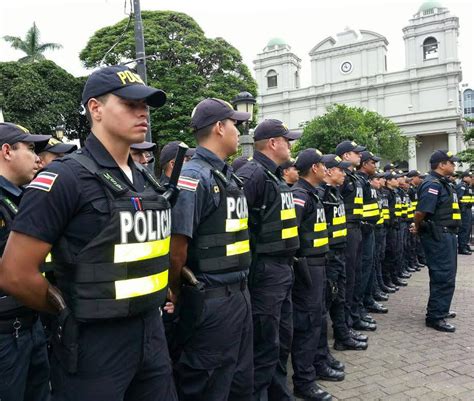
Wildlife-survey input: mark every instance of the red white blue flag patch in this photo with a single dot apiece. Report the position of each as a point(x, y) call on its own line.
point(299, 202)
point(43, 181)
point(433, 191)
point(187, 183)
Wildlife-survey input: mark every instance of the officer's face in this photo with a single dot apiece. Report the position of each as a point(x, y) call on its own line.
point(336, 175)
point(24, 162)
point(320, 170)
point(291, 175)
point(125, 120)
point(353, 157)
point(281, 147)
point(416, 181)
point(447, 167)
point(375, 183)
point(48, 157)
point(140, 156)
point(230, 136)
point(370, 166)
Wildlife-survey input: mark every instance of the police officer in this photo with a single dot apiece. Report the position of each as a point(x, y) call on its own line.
point(210, 236)
point(290, 173)
point(353, 196)
point(239, 162)
point(437, 219)
point(370, 216)
point(24, 366)
point(404, 224)
point(142, 152)
point(108, 225)
point(310, 276)
point(274, 240)
point(54, 150)
point(167, 160)
point(465, 196)
point(413, 240)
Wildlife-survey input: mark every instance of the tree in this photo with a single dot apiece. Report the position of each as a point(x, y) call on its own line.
point(31, 45)
point(379, 134)
point(188, 67)
point(467, 156)
point(40, 95)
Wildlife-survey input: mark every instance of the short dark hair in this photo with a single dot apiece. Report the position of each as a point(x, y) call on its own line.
point(434, 166)
point(305, 172)
point(102, 99)
point(203, 133)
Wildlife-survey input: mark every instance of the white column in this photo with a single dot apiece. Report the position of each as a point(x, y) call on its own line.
point(412, 163)
point(1, 116)
point(452, 142)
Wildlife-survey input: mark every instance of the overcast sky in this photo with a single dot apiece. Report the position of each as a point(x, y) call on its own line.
point(246, 24)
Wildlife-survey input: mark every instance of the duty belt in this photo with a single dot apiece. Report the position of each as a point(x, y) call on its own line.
point(226, 290)
point(17, 324)
point(353, 224)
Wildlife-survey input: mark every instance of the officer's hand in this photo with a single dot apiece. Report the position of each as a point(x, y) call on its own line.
point(169, 307)
point(172, 298)
point(413, 229)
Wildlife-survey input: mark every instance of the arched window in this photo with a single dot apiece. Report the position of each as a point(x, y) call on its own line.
point(272, 79)
point(430, 48)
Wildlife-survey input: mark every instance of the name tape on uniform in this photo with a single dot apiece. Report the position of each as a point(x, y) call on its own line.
point(43, 181)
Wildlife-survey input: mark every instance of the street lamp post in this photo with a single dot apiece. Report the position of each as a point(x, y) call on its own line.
point(245, 102)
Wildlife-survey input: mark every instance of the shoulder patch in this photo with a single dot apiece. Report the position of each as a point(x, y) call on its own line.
point(187, 183)
point(433, 191)
point(43, 181)
point(299, 202)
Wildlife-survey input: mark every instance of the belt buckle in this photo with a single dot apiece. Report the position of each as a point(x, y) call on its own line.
point(16, 327)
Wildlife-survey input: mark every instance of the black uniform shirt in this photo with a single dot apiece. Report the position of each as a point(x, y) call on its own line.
point(431, 192)
point(304, 205)
point(75, 203)
point(198, 198)
point(13, 193)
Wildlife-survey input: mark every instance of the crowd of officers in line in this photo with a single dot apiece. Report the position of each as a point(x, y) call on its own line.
point(150, 292)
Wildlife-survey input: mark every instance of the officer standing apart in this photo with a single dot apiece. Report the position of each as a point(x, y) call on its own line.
point(465, 196)
point(210, 236)
point(24, 366)
point(108, 225)
point(274, 241)
point(310, 275)
point(437, 219)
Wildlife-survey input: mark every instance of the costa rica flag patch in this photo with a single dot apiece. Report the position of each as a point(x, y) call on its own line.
point(43, 181)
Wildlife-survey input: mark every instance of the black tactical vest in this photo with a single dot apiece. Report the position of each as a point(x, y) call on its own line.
point(394, 206)
point(222, 240)
point(277, 230)
point(353, 198)
point(336, 218)
point(123, 271)
point(447, 212)
point(313, 231)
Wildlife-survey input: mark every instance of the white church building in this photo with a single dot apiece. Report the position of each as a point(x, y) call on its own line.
point(423, 99)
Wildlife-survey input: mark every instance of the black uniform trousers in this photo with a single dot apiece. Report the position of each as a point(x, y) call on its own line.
point(420, 252)
point(217, 361)
point(390, 265)
point(411, 248)
point(465, 229)
point(379, 254)
point(353, 258)
point(308, 306)
point(123, 359)
point(24, 365)
point(272, 312)
point(441, 257)
point(363, 274)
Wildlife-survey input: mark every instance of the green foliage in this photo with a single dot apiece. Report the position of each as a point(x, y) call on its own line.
point(188, 67)
point(31, 45)
point(467, 157)
point(379, 134)
point(40, 95)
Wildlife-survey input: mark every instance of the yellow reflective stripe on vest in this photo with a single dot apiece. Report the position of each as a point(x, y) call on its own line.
point(320, 227)
point(237, 248)
point(320, 242)
point(49, 258)
point(456, 216)
point(338, 220)
point(137, 287)
point(339, 233)
point(289, 232)
point(358, 200)
point(358, 211)
point(234, 225)
point(455, 205)
point(370, 210)
point(141, 250)
point(288, 214)
point(415, 204)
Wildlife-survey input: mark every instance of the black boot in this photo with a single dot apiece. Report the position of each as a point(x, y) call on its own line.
point(312, 393)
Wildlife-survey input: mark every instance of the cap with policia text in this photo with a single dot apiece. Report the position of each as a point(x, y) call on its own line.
point(379, 174)
point(123, 82)
point(57, 147)
point(12, 133)
point(212, 110)
point(390, 166)
point(273, 128)
point(336, 161)
point(289, 163)
point(366, 155)
point(439, 156)
point(310, 156)
point(149, 146)
point(348, 146)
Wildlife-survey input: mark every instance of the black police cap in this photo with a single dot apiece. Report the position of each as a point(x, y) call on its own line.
point(348, 146)
point(57, 147)
point(390, 166)
point(289, 163)
point(272, 128)
point(212, 110)
point(149, 146)
point(413, 173)
point(466, 173)
point(123, 82)
point(13, 133)
point(310, 156)
point(367, 155)
point(169, 152)
point(239, 162)
point(440, 155)
point(390, 175)
point(336, 161)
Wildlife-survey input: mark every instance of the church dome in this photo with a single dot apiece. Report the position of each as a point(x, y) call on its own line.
point(429, 5)
point(276, 42)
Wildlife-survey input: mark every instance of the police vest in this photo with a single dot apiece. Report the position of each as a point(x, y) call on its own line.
point(381, 219)
point(447, 212)
point(370, 207)
point(123, 271)
point(277, 231)
point(413, 194)
point(467, 198)
point(313, 230)
point(353, 198)
point(394, 206)
point(385, 210)
point(398, 205)
point(336, 218)
point(222, 240)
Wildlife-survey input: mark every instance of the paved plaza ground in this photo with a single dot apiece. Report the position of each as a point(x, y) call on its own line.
point(408, 361)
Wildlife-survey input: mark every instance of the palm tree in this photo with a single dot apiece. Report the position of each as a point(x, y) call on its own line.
point(31, 45)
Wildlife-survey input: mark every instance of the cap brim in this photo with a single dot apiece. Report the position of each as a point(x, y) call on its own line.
point(40, 141)
point(454, 159)
point(344, 164)
point(359, 148)
point(292, 135)
point(376, 158)
point(144, 146)
point(326, 158)
point(153, 97)
point(62, 148)
point(240, 116)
